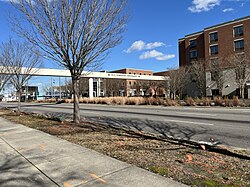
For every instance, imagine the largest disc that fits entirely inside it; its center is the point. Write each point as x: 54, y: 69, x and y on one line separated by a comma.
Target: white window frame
x: 210, y: 49
x: 238, y: 26
x: 237, y: 41
x: 212, y: 33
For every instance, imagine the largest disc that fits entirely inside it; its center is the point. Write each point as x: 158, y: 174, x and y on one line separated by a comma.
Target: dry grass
x: 127, y: 101
x: 182, y: 162
x: 189, y: 101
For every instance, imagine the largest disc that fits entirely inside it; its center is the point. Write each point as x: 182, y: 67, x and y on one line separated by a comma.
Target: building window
x: 214, y: 50
x: 192, y: 43
x: 214, y: 75
x: 193, y: 54
x: 239, y: 45
x: 238, y: 31
x: 213, y: 37
x: 130, y: 83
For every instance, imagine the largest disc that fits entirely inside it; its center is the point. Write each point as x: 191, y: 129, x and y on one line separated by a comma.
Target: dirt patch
x: 185, y: 163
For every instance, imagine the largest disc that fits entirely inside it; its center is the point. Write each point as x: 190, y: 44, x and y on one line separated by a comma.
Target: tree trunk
x: 242, y: 92
x: 76, y: 112
x: 19, y: 102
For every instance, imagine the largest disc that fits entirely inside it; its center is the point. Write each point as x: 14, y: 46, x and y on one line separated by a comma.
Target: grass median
x: 184, y: 162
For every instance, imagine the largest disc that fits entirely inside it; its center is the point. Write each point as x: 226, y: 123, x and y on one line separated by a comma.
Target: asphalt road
x: 229, y: 126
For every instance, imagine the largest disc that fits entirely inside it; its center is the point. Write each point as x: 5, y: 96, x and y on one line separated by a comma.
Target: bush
x: 218, y: 101
x: 170, y: 102
x: 236, y: 101
x: 206, y: 101
x: 190, y: 101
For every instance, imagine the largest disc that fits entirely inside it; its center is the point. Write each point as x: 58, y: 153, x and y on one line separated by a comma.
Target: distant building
x: 29, y: 93
x: 127, y: 87
x: 121, y: 87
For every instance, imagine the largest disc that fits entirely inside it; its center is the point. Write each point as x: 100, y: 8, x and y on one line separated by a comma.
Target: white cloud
x: 154, y: 45
x: 157, y: 55
x: 228, y: 10
x: 203, y: 5
x: 165, y: 57
x: 141, y: 45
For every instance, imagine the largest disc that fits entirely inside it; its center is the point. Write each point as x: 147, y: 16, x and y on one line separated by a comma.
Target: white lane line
x: 189, y: 122
x: 197, y: 114
x: 90, y: 113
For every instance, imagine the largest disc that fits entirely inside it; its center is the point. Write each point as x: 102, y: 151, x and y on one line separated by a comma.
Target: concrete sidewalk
x: 29, y: 157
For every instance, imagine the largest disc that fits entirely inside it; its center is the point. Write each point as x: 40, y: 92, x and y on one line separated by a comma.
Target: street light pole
x: 51, y: 89
x: 60, y: 91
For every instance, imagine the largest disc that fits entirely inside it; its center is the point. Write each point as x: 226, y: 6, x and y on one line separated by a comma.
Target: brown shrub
x: 190, y: 101
x: 170, y: 102
x: 206, y: 101
x: 235, y: 101
x: 218, y: 101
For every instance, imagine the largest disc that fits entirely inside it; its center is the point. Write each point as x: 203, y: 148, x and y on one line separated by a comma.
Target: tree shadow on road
x: 166, y: 131
x: 162, y: 129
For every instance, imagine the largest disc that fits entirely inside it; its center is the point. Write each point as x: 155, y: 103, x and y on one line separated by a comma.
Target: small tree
x: 4, y: 78
x: 178, y: 80
x: 198, y: 75
x: 153, y: 87
x: 218, y: 70
x: 77, y: 34
x: 19, y: 59
x: 240, y: 62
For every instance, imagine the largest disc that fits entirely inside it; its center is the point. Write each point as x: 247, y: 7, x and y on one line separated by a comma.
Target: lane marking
x: 90, y: 112
x: 97, y: 177
x: 189, y: 122
x: 197, y: 114
x: 67, y: 184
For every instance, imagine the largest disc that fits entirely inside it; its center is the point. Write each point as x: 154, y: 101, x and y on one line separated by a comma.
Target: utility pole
x: 51, y: 88
x: 60, y: 91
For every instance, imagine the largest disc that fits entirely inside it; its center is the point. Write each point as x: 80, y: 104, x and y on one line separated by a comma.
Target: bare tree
x: 113, y: 86
x: 240, y: 62
x: 76, y: 34
x: 154, y: 87
x: 198, y: 75
x: 4, y: 78
x: 178, y: 80
x: 217, y: 68
x: 19, y: 59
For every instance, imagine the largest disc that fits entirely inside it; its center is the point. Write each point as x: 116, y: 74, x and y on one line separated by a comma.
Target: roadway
x: 229, y: 126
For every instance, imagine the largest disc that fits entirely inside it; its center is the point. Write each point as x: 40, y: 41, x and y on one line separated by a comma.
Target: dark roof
x: 232, y: 21
x: 218, y: 25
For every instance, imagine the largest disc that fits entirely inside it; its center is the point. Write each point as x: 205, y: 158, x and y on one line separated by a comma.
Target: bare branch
x: 19, y: 59
x: 76, y: 34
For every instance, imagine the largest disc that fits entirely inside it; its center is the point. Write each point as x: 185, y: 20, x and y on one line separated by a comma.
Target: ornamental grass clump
x: 190, y: 101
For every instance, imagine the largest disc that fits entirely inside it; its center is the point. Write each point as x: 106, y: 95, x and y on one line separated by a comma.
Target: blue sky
x: 151, y: 39
x: 155, y: 27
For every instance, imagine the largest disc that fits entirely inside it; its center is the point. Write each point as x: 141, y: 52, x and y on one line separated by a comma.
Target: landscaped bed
x: 189, y: 101
x: 184, y: 162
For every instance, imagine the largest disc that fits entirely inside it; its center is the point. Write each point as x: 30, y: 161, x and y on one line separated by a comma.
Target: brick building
x: 127, y: 87
x: 216, y: 44
x: 217, y: 41
x: 122, y: 87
